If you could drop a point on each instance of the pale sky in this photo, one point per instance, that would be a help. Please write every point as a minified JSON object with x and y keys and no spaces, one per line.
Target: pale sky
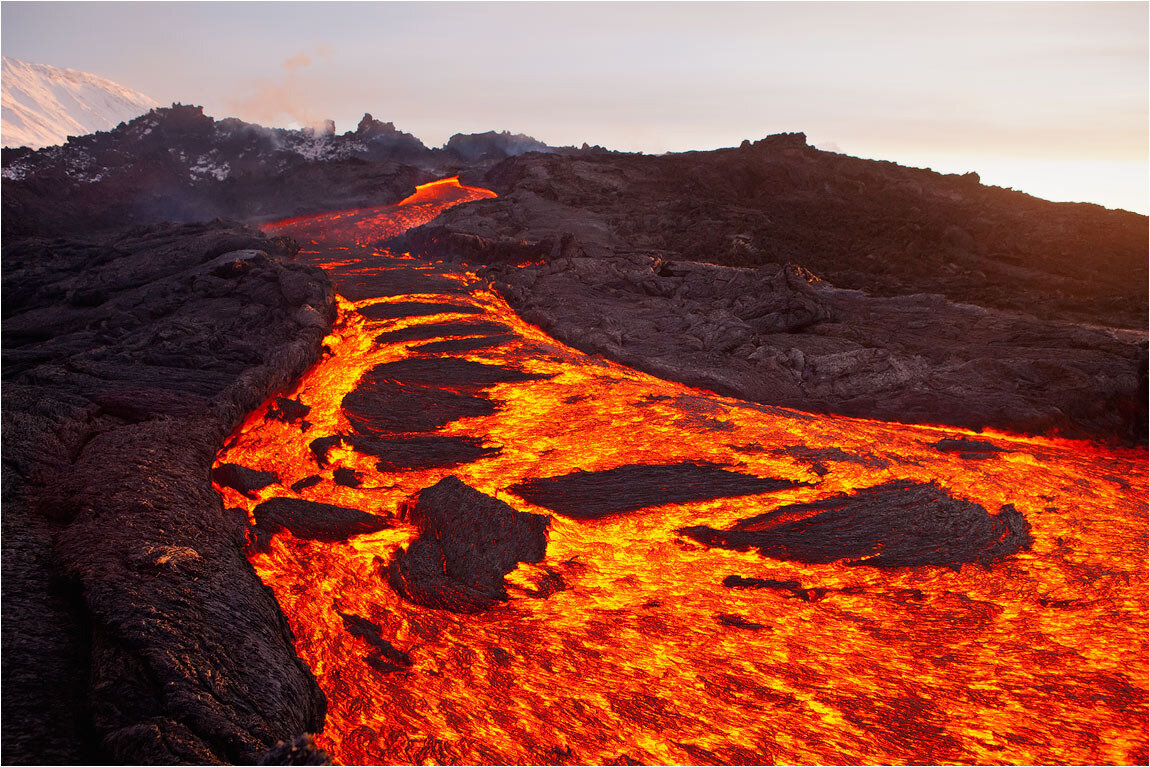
{"x":1050,"y":98}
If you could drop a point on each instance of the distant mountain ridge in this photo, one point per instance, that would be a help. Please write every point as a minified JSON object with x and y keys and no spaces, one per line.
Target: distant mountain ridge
{"x":44,"y":105}
{"x":178,"y":164}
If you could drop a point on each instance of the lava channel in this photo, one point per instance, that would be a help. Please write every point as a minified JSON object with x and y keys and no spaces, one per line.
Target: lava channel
{"x":626,"y":570}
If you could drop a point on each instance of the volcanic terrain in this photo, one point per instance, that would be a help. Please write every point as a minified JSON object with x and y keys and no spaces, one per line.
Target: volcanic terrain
{"x":506,"y":453}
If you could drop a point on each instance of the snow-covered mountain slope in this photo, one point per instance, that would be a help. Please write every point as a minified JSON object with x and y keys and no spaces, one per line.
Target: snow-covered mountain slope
{"x":42,"y":105}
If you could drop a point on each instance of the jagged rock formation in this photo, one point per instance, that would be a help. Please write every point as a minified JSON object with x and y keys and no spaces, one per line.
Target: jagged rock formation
{"x":468,"y":541}
{"x":178,"y":164}
{"x":134,"y":629}
{"x":478,"y":147}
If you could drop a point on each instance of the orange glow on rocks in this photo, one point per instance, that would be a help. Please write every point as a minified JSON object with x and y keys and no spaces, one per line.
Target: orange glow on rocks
{"x":632,"y":642}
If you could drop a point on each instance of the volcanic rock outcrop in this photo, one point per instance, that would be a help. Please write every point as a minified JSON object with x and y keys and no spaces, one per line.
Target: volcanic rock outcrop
{"x":597,"y":494}
{"x":776,"y":335}
{"x":468,"y":541}
{"x":134,"y":629}
{"x":898,"y":524}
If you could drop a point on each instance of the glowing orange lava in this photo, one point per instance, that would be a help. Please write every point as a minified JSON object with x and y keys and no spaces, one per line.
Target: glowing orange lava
{"x":1041,"y":658}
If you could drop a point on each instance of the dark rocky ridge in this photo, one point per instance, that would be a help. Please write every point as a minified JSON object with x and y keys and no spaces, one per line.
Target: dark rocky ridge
{"x":860,"y":224}
{"x":773,"y":335}
{"x":134,"y":629}
{"x":178,"y":164}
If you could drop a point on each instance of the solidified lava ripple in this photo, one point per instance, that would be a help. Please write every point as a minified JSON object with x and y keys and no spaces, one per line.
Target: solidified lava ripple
{"x":632,"y":642}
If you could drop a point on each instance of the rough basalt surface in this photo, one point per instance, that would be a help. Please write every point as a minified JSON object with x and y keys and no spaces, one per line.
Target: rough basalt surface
{"x":422,"y":451}
{"x":134,"y":629}
{"x":467,"y":542}
{"x":859,"y":224}
{"x":776,"y":335}
{"x":898,"y":524}
{"x":310,"y":520}
{"x":597,"y":494}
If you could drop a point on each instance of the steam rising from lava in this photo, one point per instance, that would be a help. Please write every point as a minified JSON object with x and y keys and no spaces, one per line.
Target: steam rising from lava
{"x":289,"y":97}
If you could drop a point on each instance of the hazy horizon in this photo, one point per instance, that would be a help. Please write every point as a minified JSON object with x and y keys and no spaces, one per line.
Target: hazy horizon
{"x":1050,"y":99}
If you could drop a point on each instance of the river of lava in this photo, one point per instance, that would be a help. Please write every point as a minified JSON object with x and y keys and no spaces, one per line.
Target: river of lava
{"x":624,"y":646}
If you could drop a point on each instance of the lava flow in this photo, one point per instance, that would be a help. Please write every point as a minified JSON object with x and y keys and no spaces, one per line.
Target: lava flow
{"x":648,"y":633}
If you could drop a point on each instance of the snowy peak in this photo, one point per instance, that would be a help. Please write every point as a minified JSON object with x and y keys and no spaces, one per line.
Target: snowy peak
{"x":42,"y":105}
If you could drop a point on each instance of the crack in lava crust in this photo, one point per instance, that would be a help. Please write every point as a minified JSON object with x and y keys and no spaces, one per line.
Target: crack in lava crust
{"x":631,"y":643}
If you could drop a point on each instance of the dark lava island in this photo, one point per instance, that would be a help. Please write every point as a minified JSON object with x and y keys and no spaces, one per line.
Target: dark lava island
{"x":145,"y":315}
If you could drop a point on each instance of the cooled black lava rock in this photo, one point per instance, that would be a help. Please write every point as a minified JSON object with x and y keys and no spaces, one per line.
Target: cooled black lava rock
{"x":383,"y":408}
{"x":358,"y":284}
{"x":386,"y":657}
{"x":241,"y":478}
{"x":422,"y":452}
{"x":321,"y":445}
{"x":347,"y":477}
{"x":463,"y":344}
{"x":445,"y":371}
{"x":311,"y":520}
{"x":596,"y":494}
{"x":975,"y":449}
{"x":440,"y":330}
{"x":395,"y":309}
{"x":134,"y":629}
{"x":288,"y":410}
{"x":794,"y":587}
{"x":306,"y":482}
{"x":898,"y":524}
{"x":301,"y":751}
{"x":468,"y":541}
{"x":423,"y":394}
{"x":739,"y":582}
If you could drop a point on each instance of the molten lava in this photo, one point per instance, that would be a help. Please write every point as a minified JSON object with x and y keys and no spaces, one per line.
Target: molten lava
{"x":634,"y":643}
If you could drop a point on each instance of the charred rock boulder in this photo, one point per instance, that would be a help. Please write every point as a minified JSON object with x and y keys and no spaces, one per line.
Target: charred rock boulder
{"x":241,"y":478}
{"x":898,"y":524}
{"x":311,"y":520}
{"x":468,"y":541}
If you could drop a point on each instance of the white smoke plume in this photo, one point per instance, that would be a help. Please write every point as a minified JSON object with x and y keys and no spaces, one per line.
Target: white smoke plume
{"x":269,"y":101}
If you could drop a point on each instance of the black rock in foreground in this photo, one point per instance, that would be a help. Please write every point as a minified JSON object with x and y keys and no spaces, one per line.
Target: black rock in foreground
{"x":468,"y":541}
{"x":134,"y":629}
{"x":898,"y":524}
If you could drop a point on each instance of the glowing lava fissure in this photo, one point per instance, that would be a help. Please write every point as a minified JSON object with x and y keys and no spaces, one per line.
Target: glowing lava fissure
{"x":632,"y":641}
